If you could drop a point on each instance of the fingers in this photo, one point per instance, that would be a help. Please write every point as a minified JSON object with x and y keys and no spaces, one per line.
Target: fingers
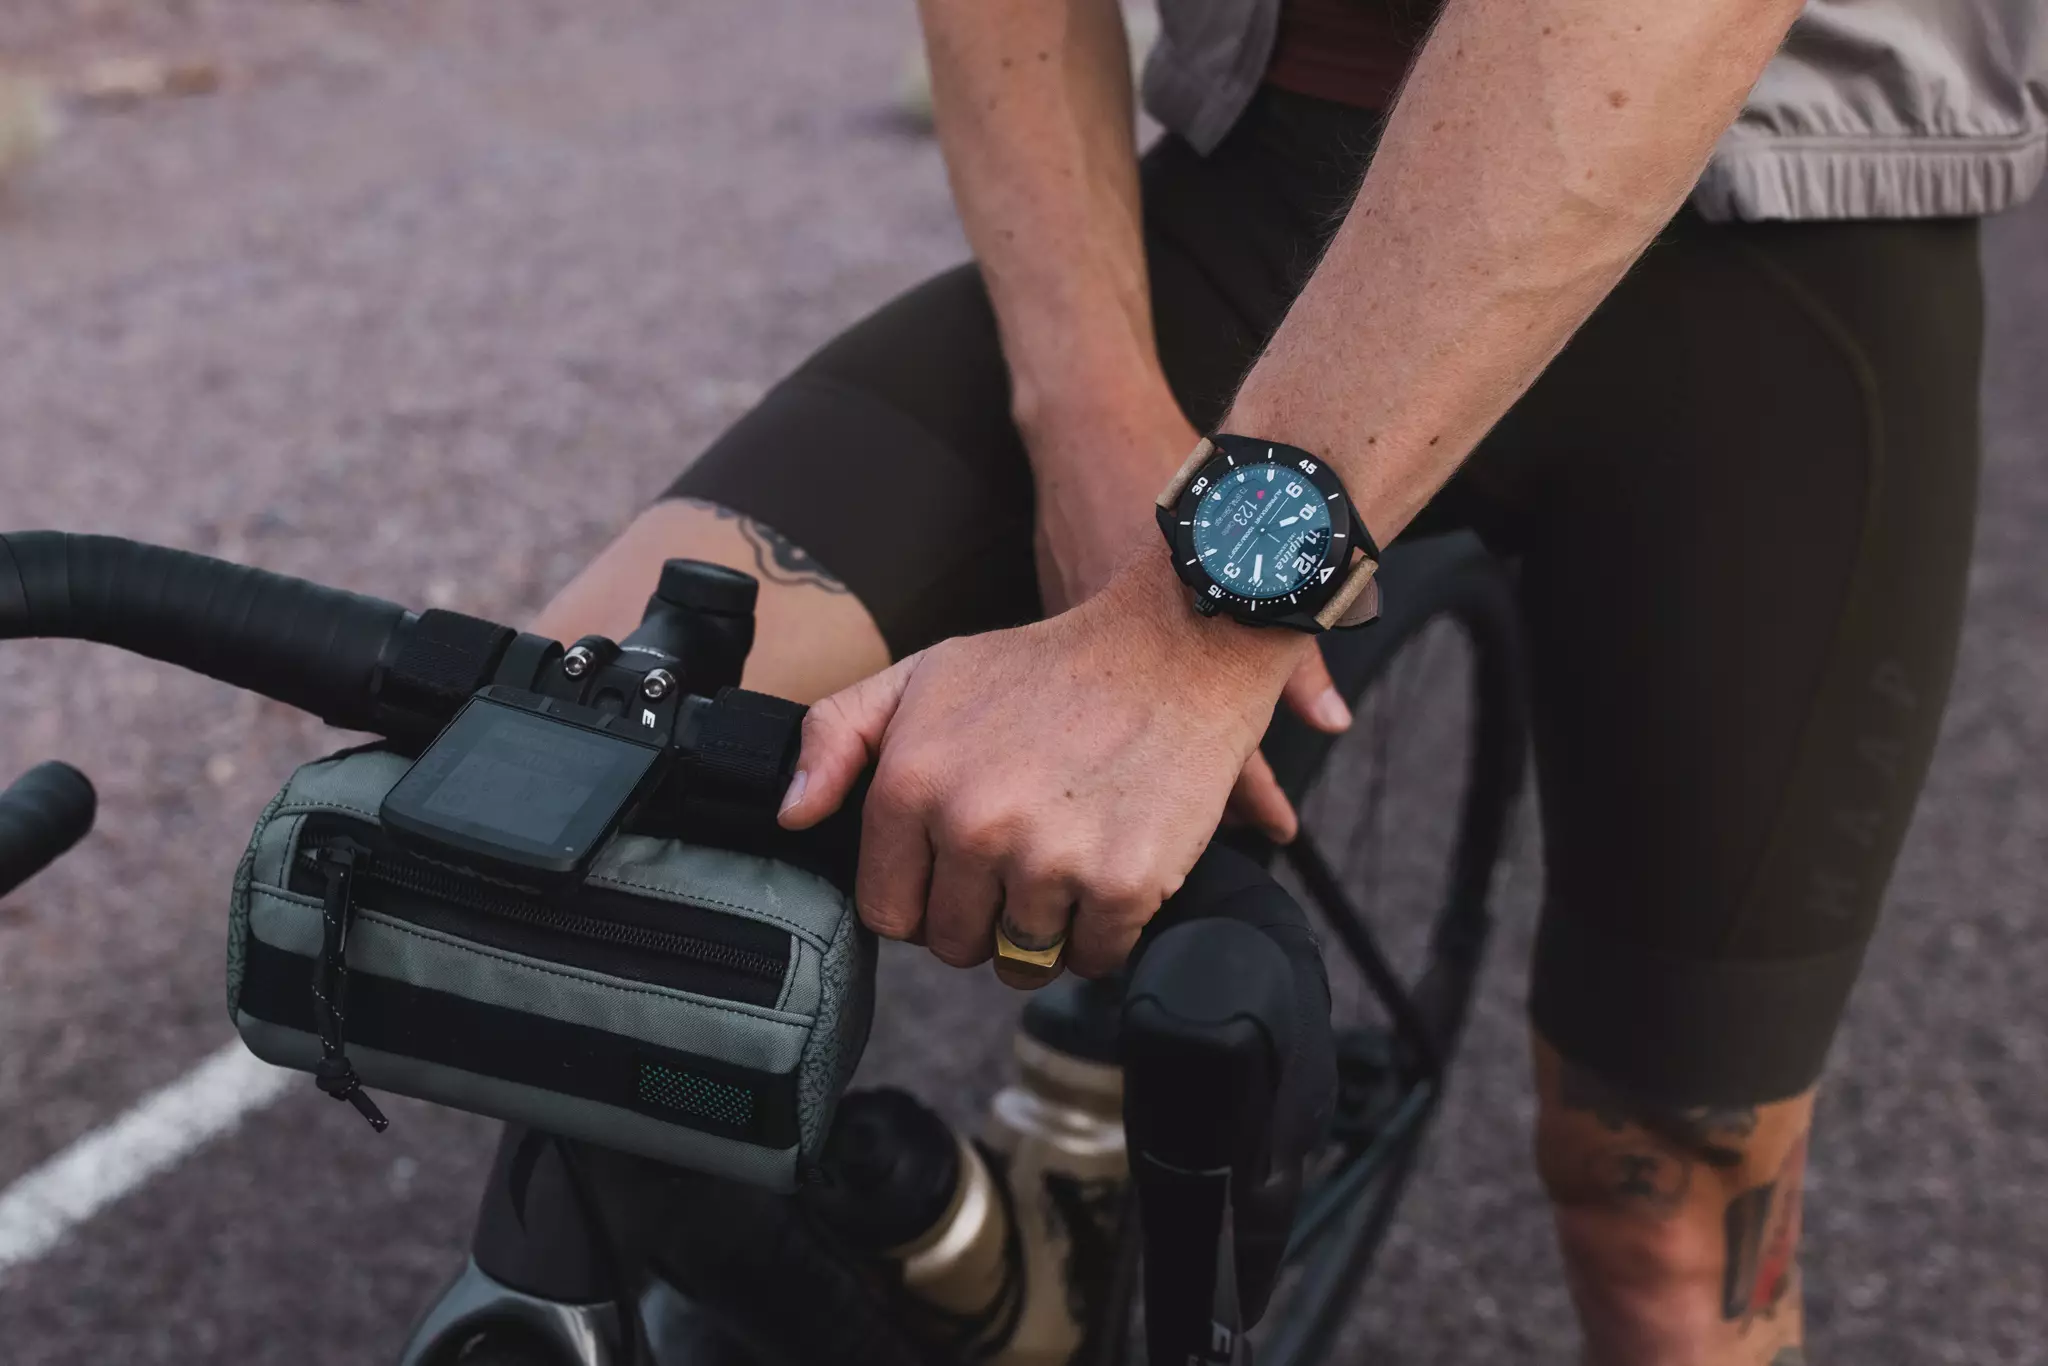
{"x":891,"y":887}
{"x":1258,"y":801}
{"x":1312,"y":695}
{"x":960,"y":916}
{"x":842,"y":734}
{"x":1105,"y":931}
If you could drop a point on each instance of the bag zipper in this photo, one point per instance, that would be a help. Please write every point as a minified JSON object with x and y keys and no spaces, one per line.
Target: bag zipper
{"x":335,"y":1074}
{"x":407,"y":874}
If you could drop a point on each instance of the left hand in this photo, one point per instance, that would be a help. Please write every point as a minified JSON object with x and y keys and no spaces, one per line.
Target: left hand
{"x":1063,"y":775}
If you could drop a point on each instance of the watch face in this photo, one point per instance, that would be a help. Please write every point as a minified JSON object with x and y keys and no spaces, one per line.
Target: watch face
{"x":1262,"y":530}
{"x":1261,"y":533}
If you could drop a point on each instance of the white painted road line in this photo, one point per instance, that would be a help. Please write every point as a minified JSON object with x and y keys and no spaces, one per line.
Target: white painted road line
{"x":39,"y":1209}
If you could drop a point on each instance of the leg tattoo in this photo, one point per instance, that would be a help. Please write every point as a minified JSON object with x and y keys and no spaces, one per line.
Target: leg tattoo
{"x":1653,"y":1182}
{"x":1763,"y":1236}
{"x":1640,"y":1175}
{"x":1646,"y":1190}
{"x":1715,"y":1134}
{"x":780,"y":560}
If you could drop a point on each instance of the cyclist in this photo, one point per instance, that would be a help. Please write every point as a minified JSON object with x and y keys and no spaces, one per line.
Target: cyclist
{"x":1738,"y":474}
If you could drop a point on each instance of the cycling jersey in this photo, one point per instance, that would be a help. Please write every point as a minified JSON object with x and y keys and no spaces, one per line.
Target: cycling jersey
{"x":1871,"y":109}
{"x":1740,"y":500}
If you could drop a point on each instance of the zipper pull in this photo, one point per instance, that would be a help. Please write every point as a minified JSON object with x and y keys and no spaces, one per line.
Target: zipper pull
{"x":336,"y":1075}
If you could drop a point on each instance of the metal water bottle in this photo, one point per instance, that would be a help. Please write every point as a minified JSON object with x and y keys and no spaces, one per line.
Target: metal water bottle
{"x":1058,"y":1135}
{"x":907,"y":1191}
{"x":1000,"y":1257}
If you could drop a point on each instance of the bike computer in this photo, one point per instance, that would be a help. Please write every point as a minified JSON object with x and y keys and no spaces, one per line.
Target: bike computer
{"x":521,"y":786}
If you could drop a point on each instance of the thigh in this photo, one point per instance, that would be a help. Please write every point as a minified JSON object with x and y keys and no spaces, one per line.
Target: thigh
{"x":1744,"y":498}
{"x":890,"y":457}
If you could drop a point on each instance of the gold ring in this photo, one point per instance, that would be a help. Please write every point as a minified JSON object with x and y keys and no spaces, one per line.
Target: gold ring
{"x":1027,"y":969}
{"x":1008,"y":948}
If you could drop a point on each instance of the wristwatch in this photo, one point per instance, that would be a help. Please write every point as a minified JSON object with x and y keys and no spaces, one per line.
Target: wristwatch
{"x":1265,"y":533}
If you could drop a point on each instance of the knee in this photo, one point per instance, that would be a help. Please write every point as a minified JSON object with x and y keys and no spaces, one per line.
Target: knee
{"x":1649,"y":1196}
{"x":1631,"y":1206}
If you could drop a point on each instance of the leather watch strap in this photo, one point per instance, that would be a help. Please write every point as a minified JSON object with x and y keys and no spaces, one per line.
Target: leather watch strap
{"x":1200,"y":456}
{"x":1358,"y":601}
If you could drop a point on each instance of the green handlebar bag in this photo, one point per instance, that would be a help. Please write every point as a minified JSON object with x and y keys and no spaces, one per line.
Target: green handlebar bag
{"x":698,"y":1006}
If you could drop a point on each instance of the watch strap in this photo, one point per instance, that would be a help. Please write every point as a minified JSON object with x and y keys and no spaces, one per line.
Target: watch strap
{"x":1357,"y":602}
{"x":1360,"y":595}
{"x":1204,"y":451}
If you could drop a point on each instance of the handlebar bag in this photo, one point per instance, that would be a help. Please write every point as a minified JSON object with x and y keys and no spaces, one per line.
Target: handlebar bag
{"x":694,"y":1005}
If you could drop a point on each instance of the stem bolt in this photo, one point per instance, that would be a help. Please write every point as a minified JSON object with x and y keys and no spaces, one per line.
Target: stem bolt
{"x":577,"y":662}
{"x":658,"y":684}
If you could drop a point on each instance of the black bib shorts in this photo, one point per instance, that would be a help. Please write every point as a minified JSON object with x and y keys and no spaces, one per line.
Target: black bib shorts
{"x":1741,"y":502}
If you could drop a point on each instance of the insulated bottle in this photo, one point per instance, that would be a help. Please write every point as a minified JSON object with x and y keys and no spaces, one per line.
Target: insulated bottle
{"x":1058,"y":1135}
{"x":999,"y":1248}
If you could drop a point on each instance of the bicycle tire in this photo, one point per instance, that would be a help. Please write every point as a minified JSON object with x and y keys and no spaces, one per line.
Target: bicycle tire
{"x":1447,"y":583}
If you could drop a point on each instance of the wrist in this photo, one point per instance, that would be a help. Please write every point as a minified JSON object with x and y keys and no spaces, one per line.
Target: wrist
{"x":1090,"y":404}
{"x":1153,"y":605}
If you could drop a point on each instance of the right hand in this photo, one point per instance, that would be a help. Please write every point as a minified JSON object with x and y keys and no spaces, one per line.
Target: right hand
{"x":1058,"y":777}
{"x":1098,"y":471}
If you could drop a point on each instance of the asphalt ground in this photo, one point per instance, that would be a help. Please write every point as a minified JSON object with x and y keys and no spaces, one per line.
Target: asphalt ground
{"x":426,"y":302}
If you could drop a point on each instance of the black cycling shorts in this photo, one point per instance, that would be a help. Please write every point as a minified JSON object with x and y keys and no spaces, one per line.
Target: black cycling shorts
{"x":1741,"y":501}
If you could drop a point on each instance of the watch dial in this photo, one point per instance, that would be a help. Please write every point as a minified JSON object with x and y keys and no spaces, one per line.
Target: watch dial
{"x":1262,"y":531}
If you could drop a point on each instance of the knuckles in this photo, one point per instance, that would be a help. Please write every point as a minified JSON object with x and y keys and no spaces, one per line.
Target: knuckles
{"x":885,"y":921}
{"x":982,"y":831}
{"x":1127,"y":892}
{"x":956,"y":953}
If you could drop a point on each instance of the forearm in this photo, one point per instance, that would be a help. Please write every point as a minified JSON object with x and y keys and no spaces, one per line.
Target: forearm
{"x":1535,"y":150}
{"x":1034,"y":110}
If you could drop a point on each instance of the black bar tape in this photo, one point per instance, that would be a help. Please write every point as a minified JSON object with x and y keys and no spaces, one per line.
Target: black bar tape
{"x":302,"y":644}
{"x":47,"y":811}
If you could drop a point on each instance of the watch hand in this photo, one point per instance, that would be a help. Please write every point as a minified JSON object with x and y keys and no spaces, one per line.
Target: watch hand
{"x":1258,"y":567}
{"x":1289,"y":521}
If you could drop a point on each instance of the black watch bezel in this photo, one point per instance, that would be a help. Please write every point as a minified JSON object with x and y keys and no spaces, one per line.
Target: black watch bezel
{"x":1297,"y":610}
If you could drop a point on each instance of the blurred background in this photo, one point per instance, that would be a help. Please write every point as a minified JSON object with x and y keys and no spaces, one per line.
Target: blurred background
{"x":425,"y":299}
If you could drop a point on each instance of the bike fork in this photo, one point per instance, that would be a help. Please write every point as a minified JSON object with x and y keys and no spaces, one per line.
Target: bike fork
{"x":534,"y":1267}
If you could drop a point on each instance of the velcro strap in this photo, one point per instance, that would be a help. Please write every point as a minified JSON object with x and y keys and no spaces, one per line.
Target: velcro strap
{"x":745,"y":744}
{"x":446,"y":657}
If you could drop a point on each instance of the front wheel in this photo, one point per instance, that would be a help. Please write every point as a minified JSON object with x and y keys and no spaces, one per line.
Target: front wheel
{"x":1404,"y":821}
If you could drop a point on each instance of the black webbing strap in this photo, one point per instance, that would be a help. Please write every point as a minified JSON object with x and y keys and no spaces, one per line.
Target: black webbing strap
{"x":744,"y":746}
{"x":444,"y":659}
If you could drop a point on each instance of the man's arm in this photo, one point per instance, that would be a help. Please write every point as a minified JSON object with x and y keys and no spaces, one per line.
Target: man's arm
{"x":1034,"y":109}
{"x":1080,"y":764}
{"x":1033,"y":104}
{"x":1536,"y":148}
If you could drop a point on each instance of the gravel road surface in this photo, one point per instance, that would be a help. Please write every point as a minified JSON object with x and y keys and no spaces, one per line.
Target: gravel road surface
{"x":425,"y":301}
